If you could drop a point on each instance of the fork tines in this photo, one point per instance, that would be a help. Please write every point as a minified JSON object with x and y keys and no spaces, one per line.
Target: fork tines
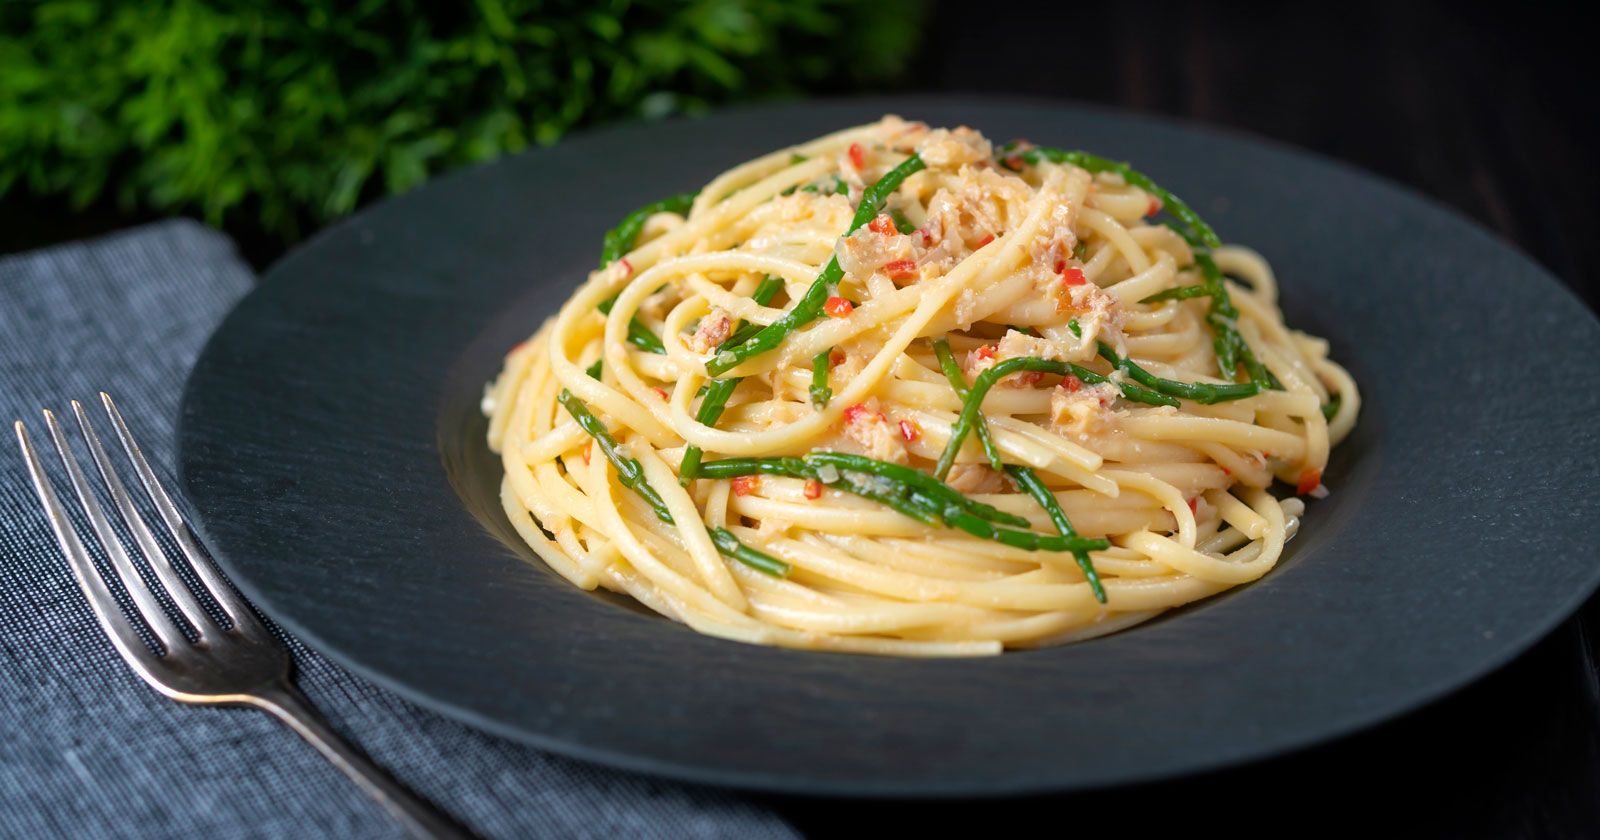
{"x":123,"y":631}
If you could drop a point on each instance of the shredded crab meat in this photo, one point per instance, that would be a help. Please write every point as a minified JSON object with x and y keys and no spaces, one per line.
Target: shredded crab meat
{"x":772,"y":527}
{"x":1018,"y":344}
{"x":873,"y":434}
{"x":947,"y":148}
{"x":715,"y":327}
{"x":1099,"y":317}
{"x":979,"y":478}
{"x":866,"y":251}
{"x":1084,"y":410}
{"x":979,"y":360}
{"x":985,"y":203}
{"x":900,"y":135}
{"x":849,"y":359}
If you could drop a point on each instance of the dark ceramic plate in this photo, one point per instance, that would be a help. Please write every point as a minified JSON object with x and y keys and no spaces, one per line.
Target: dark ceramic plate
{"x":331,"y":442}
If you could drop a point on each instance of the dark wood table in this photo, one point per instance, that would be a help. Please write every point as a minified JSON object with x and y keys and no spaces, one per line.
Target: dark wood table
{"x":1487,"y":110}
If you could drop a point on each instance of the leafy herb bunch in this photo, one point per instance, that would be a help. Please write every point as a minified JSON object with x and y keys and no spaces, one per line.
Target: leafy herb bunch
{"x":288,"y":113}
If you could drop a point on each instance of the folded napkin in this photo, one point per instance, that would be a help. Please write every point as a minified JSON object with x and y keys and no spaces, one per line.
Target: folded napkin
{"x":87,"y":750}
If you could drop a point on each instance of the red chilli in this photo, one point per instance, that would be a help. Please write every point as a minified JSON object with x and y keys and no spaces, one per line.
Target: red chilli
{"x":909,"y":430}
{"x":744,"y":485}
{"x":901,"y":269}
{"x":838,"y":307}
{"x":1071,"y":383}
{"x":627,"y":266}
{"x":1310,"y":480}
{"x":813,"y":489}
{"x":858,"y":156}
{"x":985,"y":241}
{"x":853,"y":413}
{"x":882,"y":224}
{"x":1155,"y":206}
{"x":660,"y":393}
{"x":1074,"y":277}
{"x":1194,"y":505}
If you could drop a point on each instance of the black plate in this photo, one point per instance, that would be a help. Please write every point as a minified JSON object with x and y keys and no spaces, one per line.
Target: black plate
{"x":331,"y":442}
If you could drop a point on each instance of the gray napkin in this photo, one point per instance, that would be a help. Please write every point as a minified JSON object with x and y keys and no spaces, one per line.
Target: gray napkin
{"x":87,"y":750}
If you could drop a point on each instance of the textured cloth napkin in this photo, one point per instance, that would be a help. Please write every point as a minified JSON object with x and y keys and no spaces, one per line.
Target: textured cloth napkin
{"x":87,"y":750}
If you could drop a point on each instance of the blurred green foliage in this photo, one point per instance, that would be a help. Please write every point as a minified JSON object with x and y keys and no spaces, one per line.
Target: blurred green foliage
{"x":286,"y":113}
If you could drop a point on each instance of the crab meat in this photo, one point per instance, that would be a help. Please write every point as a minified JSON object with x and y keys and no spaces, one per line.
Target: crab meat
{"x":1018,"y":344}
{"x":943,"y":148}
{"x":866,"y":251}
{"x":847,"y":360}
{"x":900,"y":135}
{"x":772,"y":527}
{"x":715,"y":326}
{"x":980,"y":360}
{"x":1098,"y":314}
{"x":874,"y":434}
{"x":1082,"y":410}
{"x":979,"y":478}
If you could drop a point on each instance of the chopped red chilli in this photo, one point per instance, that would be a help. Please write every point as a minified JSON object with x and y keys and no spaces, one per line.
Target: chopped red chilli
{"x":744,"y":485}
{"x":909,"y":430}
{"x":882,"y":224}
{"x":1310,"y":480}
{"x":901,"y":269}
{"x":1074,"y":277}
{"x":838,"y":307}
{"x":813,"y":489}
{"x":858,"y":156}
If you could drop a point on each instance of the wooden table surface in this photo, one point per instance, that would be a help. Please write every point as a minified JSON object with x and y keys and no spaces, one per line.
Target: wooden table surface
{"x":1490,"y":111}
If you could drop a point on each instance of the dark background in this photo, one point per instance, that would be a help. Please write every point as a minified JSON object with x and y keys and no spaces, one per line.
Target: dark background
{"x":1488,"y":109}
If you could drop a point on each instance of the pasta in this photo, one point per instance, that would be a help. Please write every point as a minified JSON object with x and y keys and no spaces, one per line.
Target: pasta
{"x":898,"y":391}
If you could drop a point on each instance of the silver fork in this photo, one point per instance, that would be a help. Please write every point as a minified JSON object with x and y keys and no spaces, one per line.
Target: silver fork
{"x":236,"y":665}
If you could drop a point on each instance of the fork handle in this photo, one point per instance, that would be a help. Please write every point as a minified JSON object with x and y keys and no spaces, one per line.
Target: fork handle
{"x":419,"y":818}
